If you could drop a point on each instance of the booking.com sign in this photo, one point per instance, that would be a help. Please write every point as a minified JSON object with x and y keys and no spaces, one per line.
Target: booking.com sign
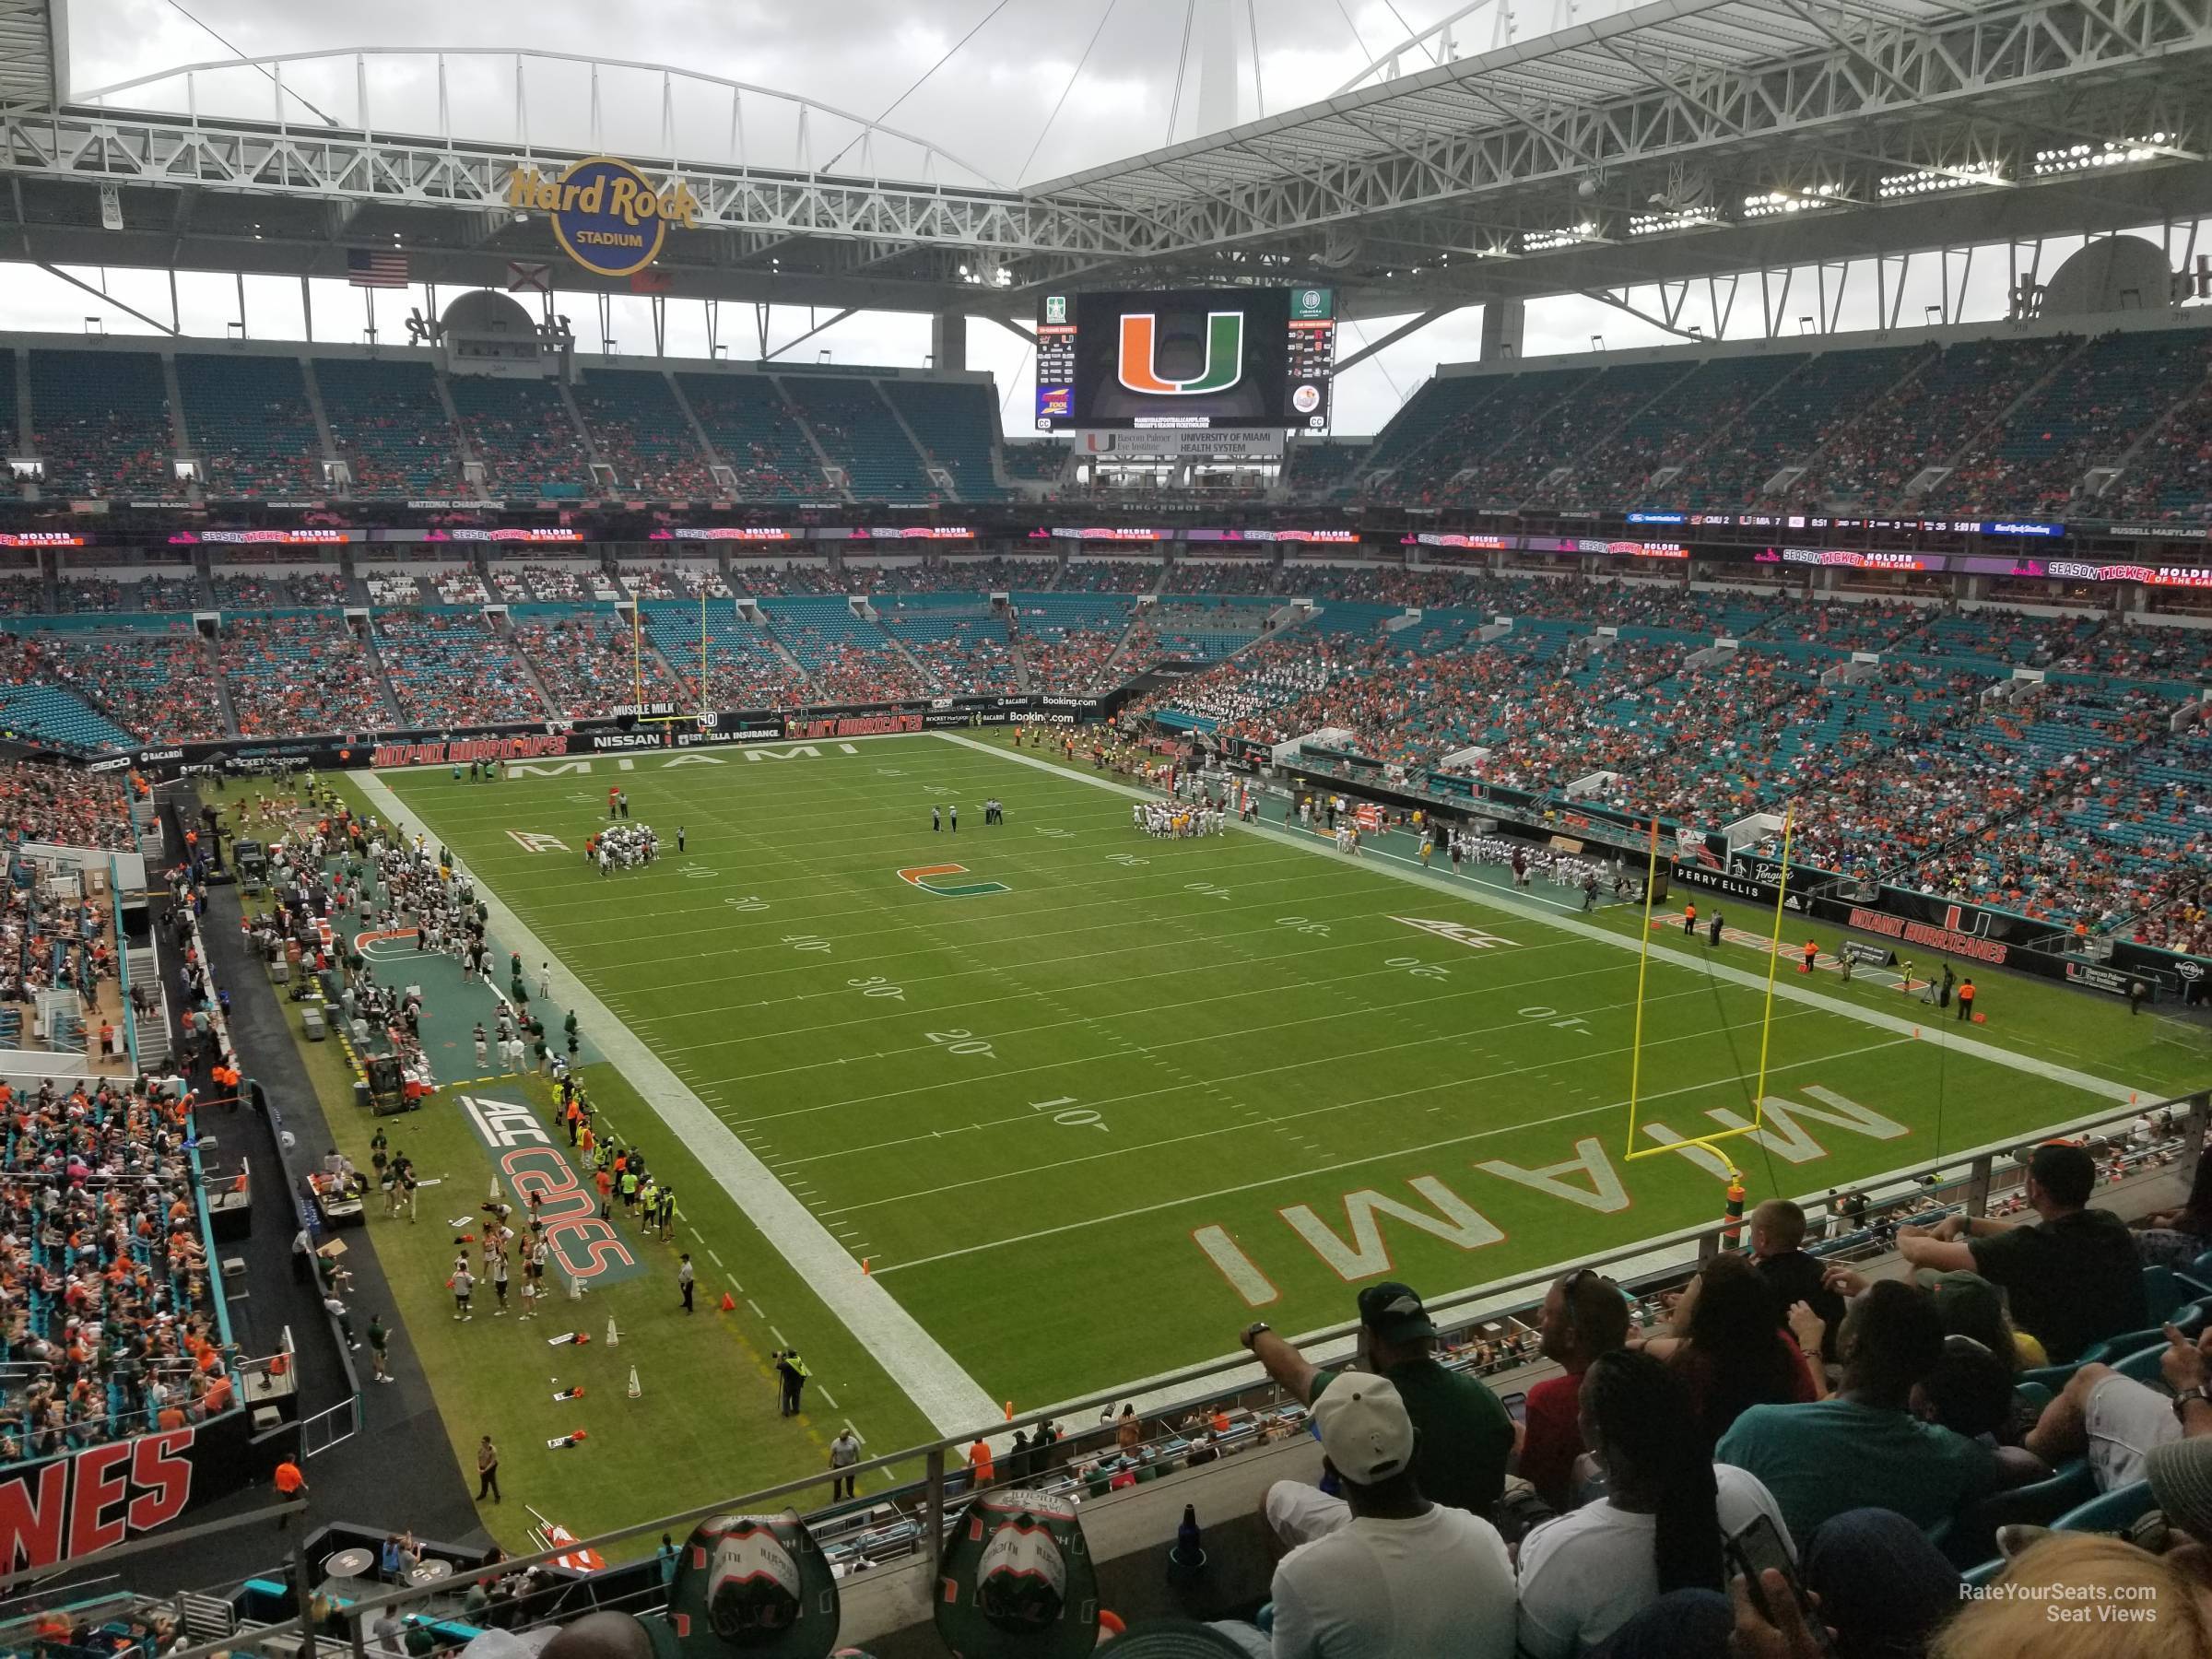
{"x":607,"y":215}
{"x":1224,"y":356}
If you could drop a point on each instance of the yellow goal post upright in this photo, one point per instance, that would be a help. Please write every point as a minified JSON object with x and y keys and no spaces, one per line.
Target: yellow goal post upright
{"x":1766,"y":1023}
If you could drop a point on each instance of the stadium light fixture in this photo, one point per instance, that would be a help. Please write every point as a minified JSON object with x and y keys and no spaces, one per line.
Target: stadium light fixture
{"x":1772,"y":204}
{"x":1541,"y":241}
{"x":1930,"y":181}
{"x":2112,"y":152}
{"x":1660,"y":221}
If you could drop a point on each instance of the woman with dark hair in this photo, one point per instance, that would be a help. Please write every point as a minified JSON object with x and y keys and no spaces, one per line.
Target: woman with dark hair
{"x":2177,"y":1237}
{"x":1658,"y":1529}
{"x":1730,"y":1355}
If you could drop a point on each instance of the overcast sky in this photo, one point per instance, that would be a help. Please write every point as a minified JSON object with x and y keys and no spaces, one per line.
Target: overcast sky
{"x":991,"y":104}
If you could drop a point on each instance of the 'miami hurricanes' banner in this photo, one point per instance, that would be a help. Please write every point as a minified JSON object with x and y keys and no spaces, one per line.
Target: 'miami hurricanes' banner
{"x":607,"y":214}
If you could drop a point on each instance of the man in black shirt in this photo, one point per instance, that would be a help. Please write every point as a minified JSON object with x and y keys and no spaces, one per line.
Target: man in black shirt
{"x":1791,"y":1275}
{"x":2073,"y":1278}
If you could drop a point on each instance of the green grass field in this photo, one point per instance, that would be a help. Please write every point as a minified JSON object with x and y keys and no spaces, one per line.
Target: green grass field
{"x":1084,"y":1125}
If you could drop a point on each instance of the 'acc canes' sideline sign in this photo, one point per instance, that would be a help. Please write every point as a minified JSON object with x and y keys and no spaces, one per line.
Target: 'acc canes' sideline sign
{"x":65,"y":1507}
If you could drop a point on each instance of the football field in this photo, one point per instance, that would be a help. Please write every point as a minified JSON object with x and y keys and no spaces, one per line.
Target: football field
{"x":1084,"y":1102}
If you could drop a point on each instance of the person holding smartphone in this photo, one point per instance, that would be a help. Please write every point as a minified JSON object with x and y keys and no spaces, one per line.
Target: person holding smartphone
{"x":1660,"y":1527}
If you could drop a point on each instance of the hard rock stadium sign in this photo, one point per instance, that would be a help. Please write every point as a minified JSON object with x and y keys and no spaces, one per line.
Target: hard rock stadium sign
{"x":607,"y":215}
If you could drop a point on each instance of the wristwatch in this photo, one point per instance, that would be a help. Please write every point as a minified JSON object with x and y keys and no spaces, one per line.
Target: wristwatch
{"x":1257,"y":1325}
{"x":2180,"y":1401}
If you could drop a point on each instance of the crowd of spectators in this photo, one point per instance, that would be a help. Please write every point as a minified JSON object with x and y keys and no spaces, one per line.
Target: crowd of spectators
{"x":935,"y":574}
{"x":1870,"y":1438}
{"x":1109,"y":576}
{"x":104,"y":1279}
{"x":1239,"y":693}
{"x":765,"y":579}
{"x":846,"y":672}
{"x":1253,"y":575}
{"x":1070,"y":661}
{"x":968,"y":655}
{"x":63,"y":807}
{"x":587,"y":667}
{"x":157,"y":687}
{"x":291,"y":674}
{"x":449,"y":668}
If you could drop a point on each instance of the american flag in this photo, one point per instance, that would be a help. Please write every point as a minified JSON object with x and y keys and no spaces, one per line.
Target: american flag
{"x":376,"y":267}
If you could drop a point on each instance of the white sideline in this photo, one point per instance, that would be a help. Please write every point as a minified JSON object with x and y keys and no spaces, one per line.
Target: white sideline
{"x":951,"y":1399}
{"x":1784,"y":988}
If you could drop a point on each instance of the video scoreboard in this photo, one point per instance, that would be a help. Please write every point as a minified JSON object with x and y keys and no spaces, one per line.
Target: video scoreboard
{"x":1186,"y":359}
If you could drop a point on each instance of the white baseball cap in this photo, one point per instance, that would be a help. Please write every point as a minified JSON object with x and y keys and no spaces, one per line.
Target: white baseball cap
{"x":1364,"y":1427}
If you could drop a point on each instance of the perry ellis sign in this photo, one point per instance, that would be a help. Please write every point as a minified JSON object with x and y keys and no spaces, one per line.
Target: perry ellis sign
{"x":607,"y":215}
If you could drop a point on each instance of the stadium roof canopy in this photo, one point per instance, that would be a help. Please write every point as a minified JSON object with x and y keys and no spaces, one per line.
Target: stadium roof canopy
{"x":1678,"y":139}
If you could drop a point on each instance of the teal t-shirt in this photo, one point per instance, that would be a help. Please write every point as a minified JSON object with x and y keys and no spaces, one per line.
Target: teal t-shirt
{"x":1829,"y":1456}
{"x":1463,"y":1436}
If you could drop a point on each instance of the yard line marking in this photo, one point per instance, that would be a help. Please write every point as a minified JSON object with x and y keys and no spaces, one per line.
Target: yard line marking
{"x":754,"y":1307}
{"x":952,"y":1400}
{"x":712,"y":1257}
{"x":1177,"y":1005}
{"x":827,"y":1398}
{"x":1349,"y":1163}
{"x":1327,"y":948}
{"x":1431,"y":1037}
{"x":1278,"y":1119}
{"x":779,"y":1337}
{"x":856,"y":1433}
{"x":1514,"y":905}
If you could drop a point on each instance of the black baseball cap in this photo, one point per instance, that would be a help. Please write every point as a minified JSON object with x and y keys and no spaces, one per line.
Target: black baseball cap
{"x":2064,"y":1171}
{"x":1394,"y":1311}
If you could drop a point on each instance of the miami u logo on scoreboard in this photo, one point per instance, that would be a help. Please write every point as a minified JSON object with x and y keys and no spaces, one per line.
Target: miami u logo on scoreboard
{"x":1224,"y":356}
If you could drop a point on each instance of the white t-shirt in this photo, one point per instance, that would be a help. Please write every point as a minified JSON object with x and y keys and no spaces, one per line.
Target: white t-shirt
{"x":1588,"y":1573}
{"x":1440,"y":1585}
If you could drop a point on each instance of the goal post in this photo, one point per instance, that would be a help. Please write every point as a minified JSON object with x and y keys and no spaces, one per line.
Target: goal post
{"x":1766,"y":1024}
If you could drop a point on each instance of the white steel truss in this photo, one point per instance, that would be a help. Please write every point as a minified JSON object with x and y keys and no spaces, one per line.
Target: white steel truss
{"x":1510,"y":171}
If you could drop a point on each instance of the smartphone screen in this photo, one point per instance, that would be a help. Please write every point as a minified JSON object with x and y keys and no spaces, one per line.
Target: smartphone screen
{"x":1757,"y":1548}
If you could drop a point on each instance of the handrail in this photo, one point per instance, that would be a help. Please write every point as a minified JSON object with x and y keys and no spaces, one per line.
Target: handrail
{"x":123,"y":965}
{"x":933,"y":1454}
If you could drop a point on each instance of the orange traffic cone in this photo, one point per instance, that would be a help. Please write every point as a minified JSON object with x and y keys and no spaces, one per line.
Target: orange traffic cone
{"x":864,"y":1268}
{"x":1009,"y":1411}
{"x":729,"y":1304}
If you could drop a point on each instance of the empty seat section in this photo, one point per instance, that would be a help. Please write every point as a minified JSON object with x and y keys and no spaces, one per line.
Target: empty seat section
{"x":390,"y":427}
{"x":250,"y":425}
{"x":101,"y":422}
{"x":756,"y":435}
{"x":641,"y":433}
{"x":858,"y":431}
{"x":958,"y":424}
{"x":522,"y":432}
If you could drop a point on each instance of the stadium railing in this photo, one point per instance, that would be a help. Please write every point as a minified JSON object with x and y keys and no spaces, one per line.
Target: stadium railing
{"x":1966,"y":1180}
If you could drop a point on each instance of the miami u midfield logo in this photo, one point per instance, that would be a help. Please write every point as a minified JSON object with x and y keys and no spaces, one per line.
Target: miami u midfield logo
{"x":1224,"y":356}
{"x":938,"y":880}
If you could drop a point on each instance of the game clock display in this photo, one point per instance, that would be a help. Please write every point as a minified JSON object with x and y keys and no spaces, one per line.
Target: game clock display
{"x":1186,"y":359}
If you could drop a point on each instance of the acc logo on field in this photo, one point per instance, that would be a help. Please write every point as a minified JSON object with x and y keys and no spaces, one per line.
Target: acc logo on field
{"x":938,"y":879}
{"x":607,"y":215}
